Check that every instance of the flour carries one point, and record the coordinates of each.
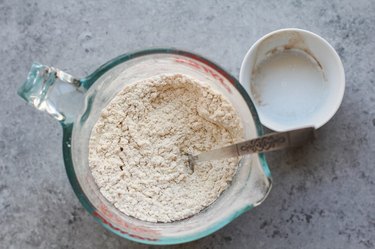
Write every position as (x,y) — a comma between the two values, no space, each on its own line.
(136,151)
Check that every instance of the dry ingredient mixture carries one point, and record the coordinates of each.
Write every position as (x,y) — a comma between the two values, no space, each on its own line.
(136,151)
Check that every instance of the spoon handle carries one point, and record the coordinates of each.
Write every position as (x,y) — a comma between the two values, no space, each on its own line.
(270,142)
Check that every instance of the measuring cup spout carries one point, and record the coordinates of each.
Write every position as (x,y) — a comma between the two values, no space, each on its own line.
(53,91)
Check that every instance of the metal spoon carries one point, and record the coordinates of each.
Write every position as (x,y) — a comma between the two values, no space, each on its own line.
(269,142)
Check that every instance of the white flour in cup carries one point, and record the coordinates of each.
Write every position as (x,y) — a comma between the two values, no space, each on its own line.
(136,151)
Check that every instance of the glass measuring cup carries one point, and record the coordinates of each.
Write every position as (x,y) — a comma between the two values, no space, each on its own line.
(77,104)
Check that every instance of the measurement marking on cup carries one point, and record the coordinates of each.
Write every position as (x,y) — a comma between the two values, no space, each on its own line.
(206,70)
(106,215)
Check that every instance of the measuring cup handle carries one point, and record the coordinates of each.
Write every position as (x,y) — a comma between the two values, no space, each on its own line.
(53,91)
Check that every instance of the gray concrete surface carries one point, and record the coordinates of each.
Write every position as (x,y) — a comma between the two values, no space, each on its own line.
(323,195)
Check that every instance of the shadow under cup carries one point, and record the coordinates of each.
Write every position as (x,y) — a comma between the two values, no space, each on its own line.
(249,187)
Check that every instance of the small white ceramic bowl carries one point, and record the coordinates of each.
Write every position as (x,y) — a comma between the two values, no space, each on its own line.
(295,79)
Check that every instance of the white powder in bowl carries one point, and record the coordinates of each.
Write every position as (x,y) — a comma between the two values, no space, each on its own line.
(136,151)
